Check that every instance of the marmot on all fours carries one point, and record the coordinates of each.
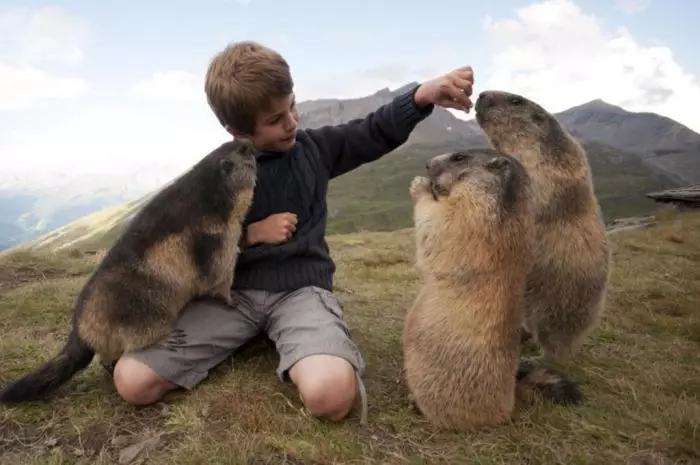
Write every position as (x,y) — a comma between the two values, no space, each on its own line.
(567,283)
(182,245)
(461,336)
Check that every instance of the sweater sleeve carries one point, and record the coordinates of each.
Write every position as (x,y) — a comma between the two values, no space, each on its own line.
(345,147)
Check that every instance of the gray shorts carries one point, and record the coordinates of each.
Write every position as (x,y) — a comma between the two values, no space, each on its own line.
(303,322)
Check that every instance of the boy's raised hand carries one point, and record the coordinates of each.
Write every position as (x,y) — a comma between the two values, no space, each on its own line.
(451,90)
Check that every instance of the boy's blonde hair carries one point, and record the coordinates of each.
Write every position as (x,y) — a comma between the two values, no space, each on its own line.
(242,80)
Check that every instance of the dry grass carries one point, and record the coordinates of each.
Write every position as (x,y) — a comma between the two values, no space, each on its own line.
(640,373)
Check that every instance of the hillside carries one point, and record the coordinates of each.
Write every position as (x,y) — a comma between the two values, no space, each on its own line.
(374,197)
(441,127)
(92,231)
(639,373)
(28,211)
(659,141)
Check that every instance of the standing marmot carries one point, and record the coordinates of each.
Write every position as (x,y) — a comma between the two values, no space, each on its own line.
(568,281)
(462,334)
(182,245)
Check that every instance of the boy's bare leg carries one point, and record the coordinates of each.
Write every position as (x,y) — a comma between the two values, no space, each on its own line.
(316,351)
(326,385)
(206,333)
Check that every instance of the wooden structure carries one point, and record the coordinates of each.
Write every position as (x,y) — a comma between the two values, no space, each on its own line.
(682,198)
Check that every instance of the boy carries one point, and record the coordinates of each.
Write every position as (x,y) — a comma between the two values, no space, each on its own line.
(283,278)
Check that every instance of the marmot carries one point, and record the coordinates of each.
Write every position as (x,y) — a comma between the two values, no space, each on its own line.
(567,284)
(182,245)
(462,334)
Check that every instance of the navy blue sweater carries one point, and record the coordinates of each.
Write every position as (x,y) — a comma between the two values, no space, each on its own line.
(296,181)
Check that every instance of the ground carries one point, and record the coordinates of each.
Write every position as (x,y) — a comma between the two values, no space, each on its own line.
(639,372)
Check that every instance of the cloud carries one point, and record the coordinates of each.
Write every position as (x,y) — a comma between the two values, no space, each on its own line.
(370,80)
(561,56)
(43,34)
(353,85)
(136,142)
(173,85)
(32,41)
(633,6)
(23,87)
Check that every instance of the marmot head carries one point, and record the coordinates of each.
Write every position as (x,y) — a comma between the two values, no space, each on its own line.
(515,124)
(236,165)
(476,175)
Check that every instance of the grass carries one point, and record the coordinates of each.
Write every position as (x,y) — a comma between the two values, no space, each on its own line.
(639,371)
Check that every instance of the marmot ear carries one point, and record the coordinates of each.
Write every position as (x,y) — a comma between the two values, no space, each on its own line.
(245,142)
(226,165)
(498,163)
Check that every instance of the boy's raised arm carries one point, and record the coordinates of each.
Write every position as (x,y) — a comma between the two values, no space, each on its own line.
(346,146)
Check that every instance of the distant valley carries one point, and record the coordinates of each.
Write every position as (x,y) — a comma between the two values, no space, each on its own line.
(27,212)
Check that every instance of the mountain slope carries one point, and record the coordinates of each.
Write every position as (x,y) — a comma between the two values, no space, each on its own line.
(27,212)
(660,141)
(441,126)
(91,232)
(375,196)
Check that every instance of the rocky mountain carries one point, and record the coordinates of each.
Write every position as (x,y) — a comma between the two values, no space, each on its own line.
(660,141)
(630,154)
(375,196)
(440,127)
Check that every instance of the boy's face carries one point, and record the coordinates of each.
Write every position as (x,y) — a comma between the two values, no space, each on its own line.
(276,129)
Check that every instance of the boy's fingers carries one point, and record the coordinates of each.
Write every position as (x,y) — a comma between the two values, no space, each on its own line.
(459,97)
(459,104)
(290,217)
(463,84)
(465,72)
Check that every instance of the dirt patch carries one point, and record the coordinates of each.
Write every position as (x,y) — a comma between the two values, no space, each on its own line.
(14,436)
(126,436)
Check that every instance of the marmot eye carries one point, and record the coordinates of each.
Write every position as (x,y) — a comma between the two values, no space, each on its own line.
(516,100)
(458,156)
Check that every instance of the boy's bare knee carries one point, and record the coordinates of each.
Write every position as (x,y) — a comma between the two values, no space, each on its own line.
(326,384)
(137,384)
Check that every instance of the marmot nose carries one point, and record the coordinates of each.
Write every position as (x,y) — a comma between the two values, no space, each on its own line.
(485,99)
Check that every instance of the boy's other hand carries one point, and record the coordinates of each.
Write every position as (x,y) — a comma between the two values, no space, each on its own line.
(274,229)
(450,91)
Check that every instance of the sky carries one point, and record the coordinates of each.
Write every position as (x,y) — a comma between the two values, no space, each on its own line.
(90,89)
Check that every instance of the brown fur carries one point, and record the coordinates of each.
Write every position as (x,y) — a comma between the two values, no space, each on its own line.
(567,283)
(181,246)
(461,335)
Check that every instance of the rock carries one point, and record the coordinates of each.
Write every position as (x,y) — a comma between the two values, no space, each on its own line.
(623,224)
